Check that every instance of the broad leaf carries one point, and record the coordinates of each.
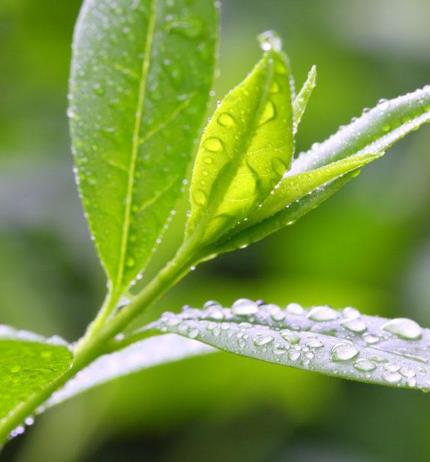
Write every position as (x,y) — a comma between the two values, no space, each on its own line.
(141,355)
(28,363)
(302,99)
(245,149)
(140,81)
(340,343)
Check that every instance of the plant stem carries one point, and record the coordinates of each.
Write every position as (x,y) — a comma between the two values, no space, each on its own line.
(95,341)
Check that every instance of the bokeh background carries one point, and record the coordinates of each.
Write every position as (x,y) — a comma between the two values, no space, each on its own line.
(368,247)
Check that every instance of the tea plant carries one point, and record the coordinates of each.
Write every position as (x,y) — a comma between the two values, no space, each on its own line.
(141,79)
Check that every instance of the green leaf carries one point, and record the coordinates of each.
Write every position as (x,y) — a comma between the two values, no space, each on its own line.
(28,363)
(139,88)
(141,355)
(343,344)
(286,217)
(245,149)
(350,148)
(302,99)
(375,130)
(294,187)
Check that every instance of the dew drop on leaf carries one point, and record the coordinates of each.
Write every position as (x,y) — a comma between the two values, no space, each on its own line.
(213,144)
(243,307)
(322,313)
(226,120)
(343,352)
(404,328)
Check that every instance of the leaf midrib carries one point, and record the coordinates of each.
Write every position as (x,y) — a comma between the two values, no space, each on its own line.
(135,142)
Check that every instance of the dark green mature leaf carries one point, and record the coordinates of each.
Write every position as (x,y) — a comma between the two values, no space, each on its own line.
(140,81)
(374,132)
(340,343)
(28,363)
(245,149)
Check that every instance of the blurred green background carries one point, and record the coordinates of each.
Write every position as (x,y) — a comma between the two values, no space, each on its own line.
(368,247)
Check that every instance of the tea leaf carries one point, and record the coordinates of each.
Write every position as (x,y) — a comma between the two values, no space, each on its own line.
(343,344)
(245,149)
(302,99)
(375,130)
(139,87)
(28,363)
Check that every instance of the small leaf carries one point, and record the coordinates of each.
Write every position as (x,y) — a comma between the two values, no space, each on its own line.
(294,187)
(28,362)
(343,344)
(375,130)
(141,355)
(245,149)
(302,99)
(139,88)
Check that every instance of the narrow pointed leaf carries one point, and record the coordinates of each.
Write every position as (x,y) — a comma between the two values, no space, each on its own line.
(294,187)
(286,217)
(302,99)
(28,363)
(375,130)
(140,79)
(339,343)
(245,149)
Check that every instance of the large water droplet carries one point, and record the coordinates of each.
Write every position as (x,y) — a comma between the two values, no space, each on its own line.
(244,307)
(262,340)
(295,309)
(213,144)
(322,313)
(270,40)
(226,120)
(290,337)
(343,352)
(357,326)
(404,328)
(365,365)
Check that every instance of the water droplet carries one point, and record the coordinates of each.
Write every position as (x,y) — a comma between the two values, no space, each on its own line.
(295,309)
(193,332)
(365,365)
(351,313)
(322,313)
(275,312)
(262,340)
(199,197)
(213,144)
(290,337)
(274,88)
(294,355)
(270,40)
(268,114)
(392,377)
(404,328)
(357,326)
(343,352)
(314,343)
(244,307)
(226,120)
(371,339)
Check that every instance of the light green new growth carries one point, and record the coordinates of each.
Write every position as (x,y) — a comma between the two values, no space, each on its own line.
(140,82)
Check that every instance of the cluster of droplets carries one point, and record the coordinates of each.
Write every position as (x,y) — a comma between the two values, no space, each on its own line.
(344,343)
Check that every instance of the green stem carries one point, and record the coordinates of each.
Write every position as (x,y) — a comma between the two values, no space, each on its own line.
(98,338)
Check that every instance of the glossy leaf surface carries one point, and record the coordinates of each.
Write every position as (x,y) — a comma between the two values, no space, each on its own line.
(343,343)
(140,81)
(245,149)
(28,363)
